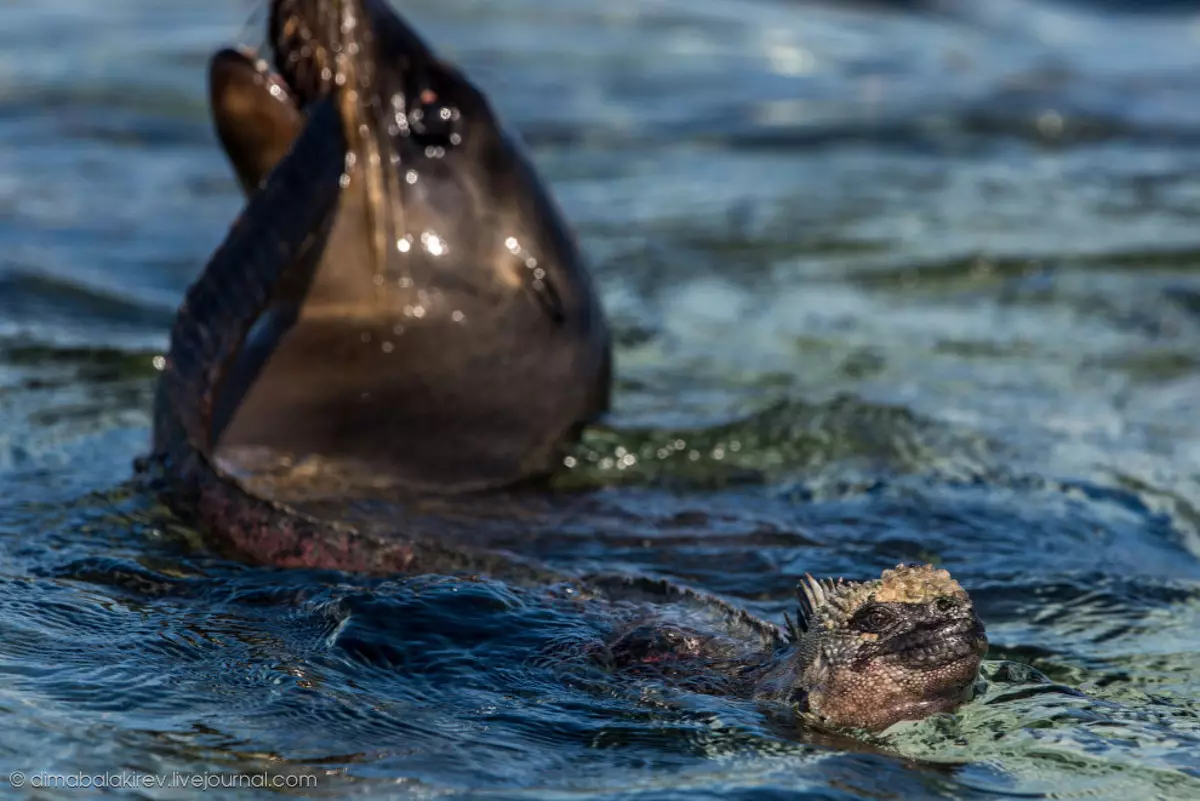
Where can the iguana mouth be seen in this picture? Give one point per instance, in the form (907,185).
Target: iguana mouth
(938,644)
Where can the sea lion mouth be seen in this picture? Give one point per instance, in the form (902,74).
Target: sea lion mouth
(364,46)
(313,42)
(405,113)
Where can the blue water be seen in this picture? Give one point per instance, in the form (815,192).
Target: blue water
(888,285)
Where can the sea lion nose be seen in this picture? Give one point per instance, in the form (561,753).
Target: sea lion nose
(303,35)
(416,100)
(315,40)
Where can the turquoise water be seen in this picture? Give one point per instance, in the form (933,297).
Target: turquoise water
(887,286)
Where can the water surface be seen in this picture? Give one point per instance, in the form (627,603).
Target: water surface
(889,284)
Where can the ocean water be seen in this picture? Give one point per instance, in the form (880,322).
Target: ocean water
(890,282)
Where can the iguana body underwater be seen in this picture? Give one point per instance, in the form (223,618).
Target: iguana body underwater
(401,308)
(860,655)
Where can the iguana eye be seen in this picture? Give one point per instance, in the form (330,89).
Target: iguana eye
(943,605)
(871,619)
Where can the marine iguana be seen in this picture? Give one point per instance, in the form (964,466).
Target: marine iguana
(318,147)
(860,654)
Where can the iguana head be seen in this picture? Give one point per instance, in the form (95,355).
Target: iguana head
(869,654)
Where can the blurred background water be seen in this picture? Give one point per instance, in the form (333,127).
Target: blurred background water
(891,281)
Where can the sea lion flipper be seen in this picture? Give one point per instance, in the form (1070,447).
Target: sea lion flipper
(254,115)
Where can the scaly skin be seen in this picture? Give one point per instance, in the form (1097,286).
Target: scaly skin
(861,655)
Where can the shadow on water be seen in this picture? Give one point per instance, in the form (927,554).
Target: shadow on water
(887,287)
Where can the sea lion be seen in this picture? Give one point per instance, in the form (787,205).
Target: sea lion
(279,344)
(466,354)
(400,306)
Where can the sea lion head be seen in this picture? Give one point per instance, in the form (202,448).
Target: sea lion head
(451,197)
(449,333)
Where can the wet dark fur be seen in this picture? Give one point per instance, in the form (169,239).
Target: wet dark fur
(277,345)
(454,366)
(458,366)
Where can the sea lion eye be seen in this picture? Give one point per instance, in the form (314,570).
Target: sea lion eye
(871,619)
(434,121)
